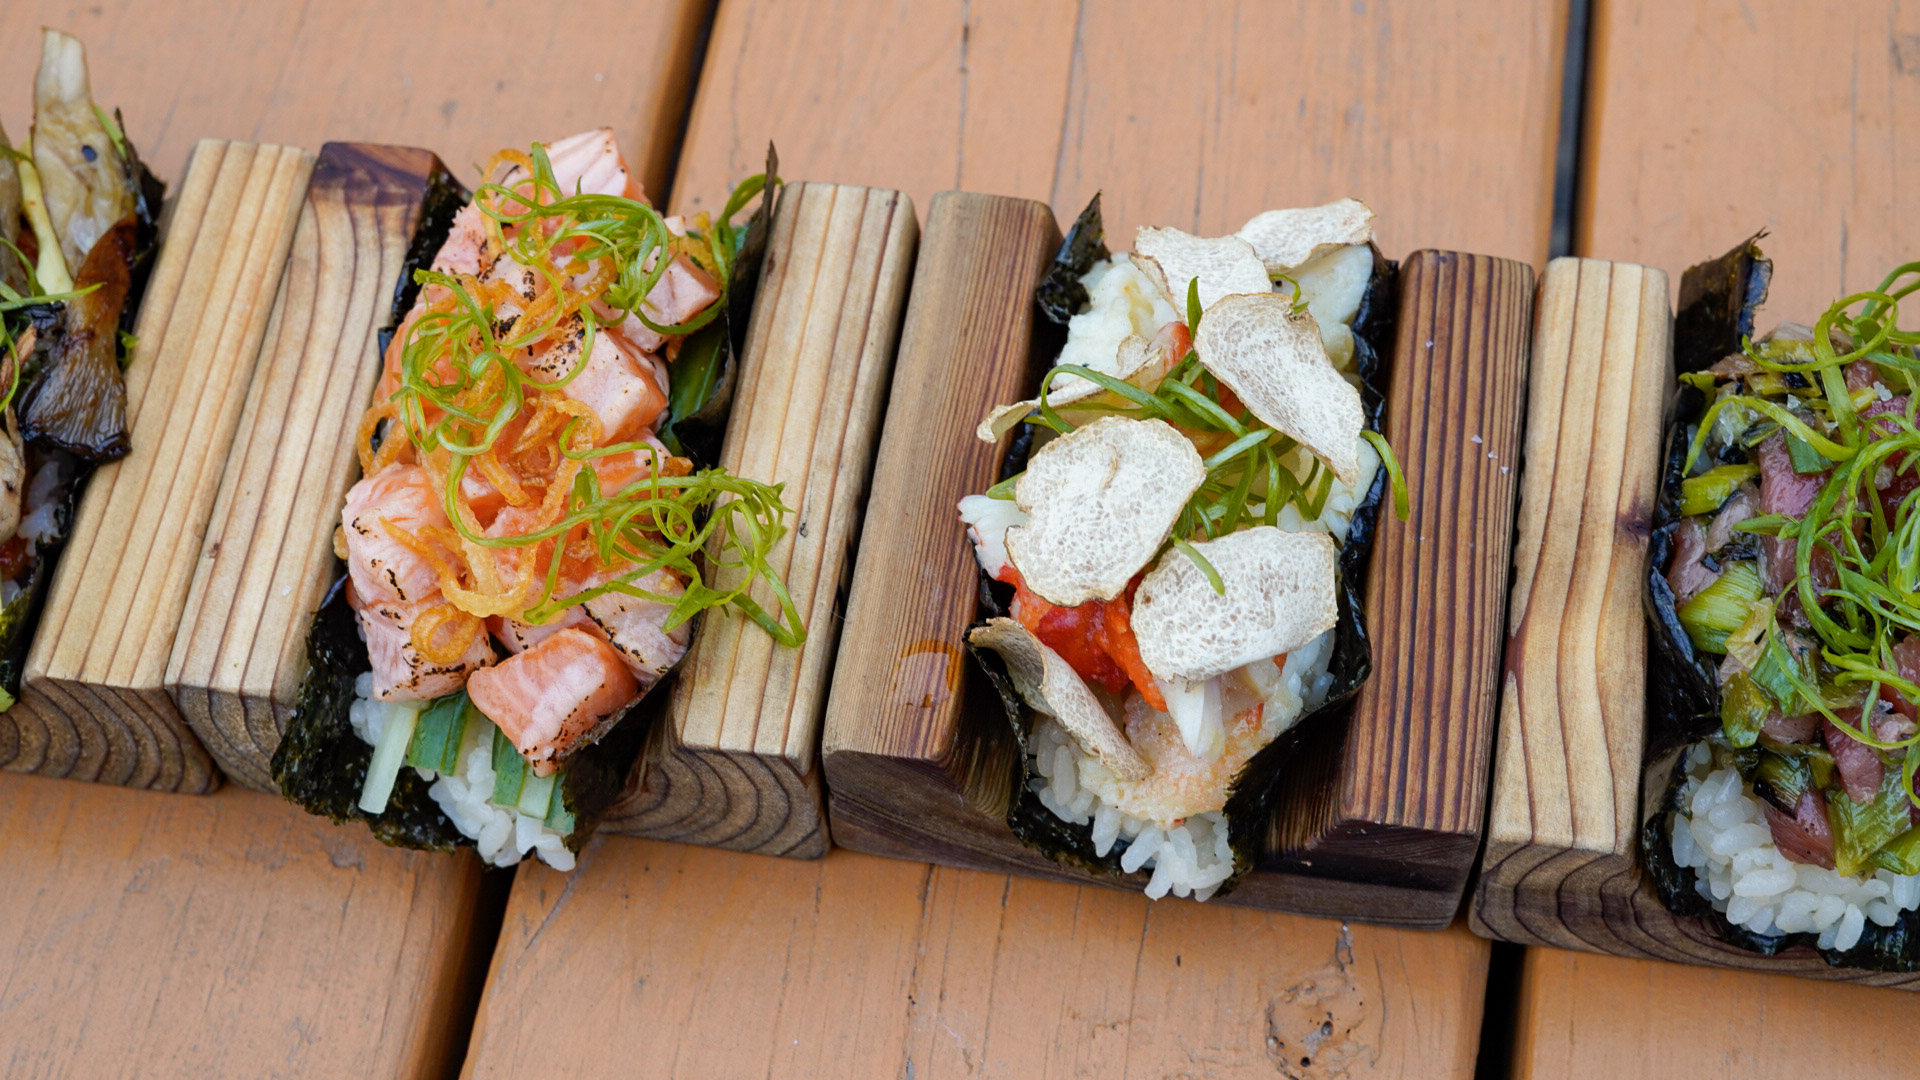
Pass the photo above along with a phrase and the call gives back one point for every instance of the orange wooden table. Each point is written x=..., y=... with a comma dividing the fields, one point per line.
x=230, y=935
x=1689, y=149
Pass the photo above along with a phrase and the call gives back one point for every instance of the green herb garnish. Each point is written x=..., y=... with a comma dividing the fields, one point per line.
x=462, y=390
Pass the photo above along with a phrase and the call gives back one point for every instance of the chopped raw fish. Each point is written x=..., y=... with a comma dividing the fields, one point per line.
x=555, y=695
x=400, y=673
x=1806, y=837
x=1860, y=768
x=383, y=567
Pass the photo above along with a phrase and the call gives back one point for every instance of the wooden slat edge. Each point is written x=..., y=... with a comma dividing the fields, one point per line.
x=735, y=766
x=267, y=558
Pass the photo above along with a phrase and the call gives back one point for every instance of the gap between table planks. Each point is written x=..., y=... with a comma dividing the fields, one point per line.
x=733, y=762
x=227, y=936
x=724, y=965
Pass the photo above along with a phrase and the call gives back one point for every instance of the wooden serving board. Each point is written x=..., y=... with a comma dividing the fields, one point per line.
x=267, y=559
x=93, y=703
x=1562, y=864
x=1381, y=820
x=733, y=763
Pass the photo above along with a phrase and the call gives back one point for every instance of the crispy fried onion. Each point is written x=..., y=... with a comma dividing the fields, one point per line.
x=443, y=633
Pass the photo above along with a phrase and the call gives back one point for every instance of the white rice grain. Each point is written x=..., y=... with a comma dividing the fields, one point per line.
x=1723, y=837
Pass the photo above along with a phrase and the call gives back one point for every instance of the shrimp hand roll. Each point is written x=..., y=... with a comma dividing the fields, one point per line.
x=1175, y=555
x=535, y=533
x=1785, y=624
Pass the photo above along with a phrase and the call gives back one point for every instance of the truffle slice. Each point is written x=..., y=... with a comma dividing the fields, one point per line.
x=1100, y=501
x=1049, y=684
x=1224, y=265
x=1284, y=239
x=1275, y=361
x=1279, y=596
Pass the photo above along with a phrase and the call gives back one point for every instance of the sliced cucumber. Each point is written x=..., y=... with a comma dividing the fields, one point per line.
x=477, y=732
x=536, y=796
x=389, y=755
x=559, y=818
x=438, y=725
x=509, y=771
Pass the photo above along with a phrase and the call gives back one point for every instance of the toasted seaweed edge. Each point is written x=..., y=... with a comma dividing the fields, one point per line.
x=1059, y=293
x=1717, y=305
x=320, y=763
x=20, y=617
x=1250, y=800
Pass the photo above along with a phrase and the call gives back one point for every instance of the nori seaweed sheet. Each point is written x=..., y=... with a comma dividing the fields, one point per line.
x=1250, y=802
x=321, y=764
x=1716, y=312
x=19, y=618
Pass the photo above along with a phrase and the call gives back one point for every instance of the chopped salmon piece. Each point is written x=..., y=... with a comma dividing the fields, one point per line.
x=616, y=471
x=682, y=292
x=400, y=673
x=552, y=698
x=626, y=397
x=637, y=627
x=590, y=163
x=384, y=568
x=519, y=636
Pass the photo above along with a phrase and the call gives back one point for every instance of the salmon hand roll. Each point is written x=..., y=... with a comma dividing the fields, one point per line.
x=536, y=530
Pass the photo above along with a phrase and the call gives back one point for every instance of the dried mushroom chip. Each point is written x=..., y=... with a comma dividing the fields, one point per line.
x=1284, y=239
x=1100, y=501
x=1135, y=362
x=1049, y=684
x=1279, y=596
x=1275, y=361
x=1224, y=265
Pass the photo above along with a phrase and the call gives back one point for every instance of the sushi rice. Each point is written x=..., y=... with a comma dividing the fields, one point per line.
x=1721, y=834
x=1190, y=857
x=502, y=836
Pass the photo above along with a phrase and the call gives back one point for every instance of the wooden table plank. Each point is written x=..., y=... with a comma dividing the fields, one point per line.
x=1442, y=116
x=460, y=80
x=729, y=965
x=1588, y=1017
x=234, y=935
x=1688, y=151
x=160, y=935
x=1691, y=146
